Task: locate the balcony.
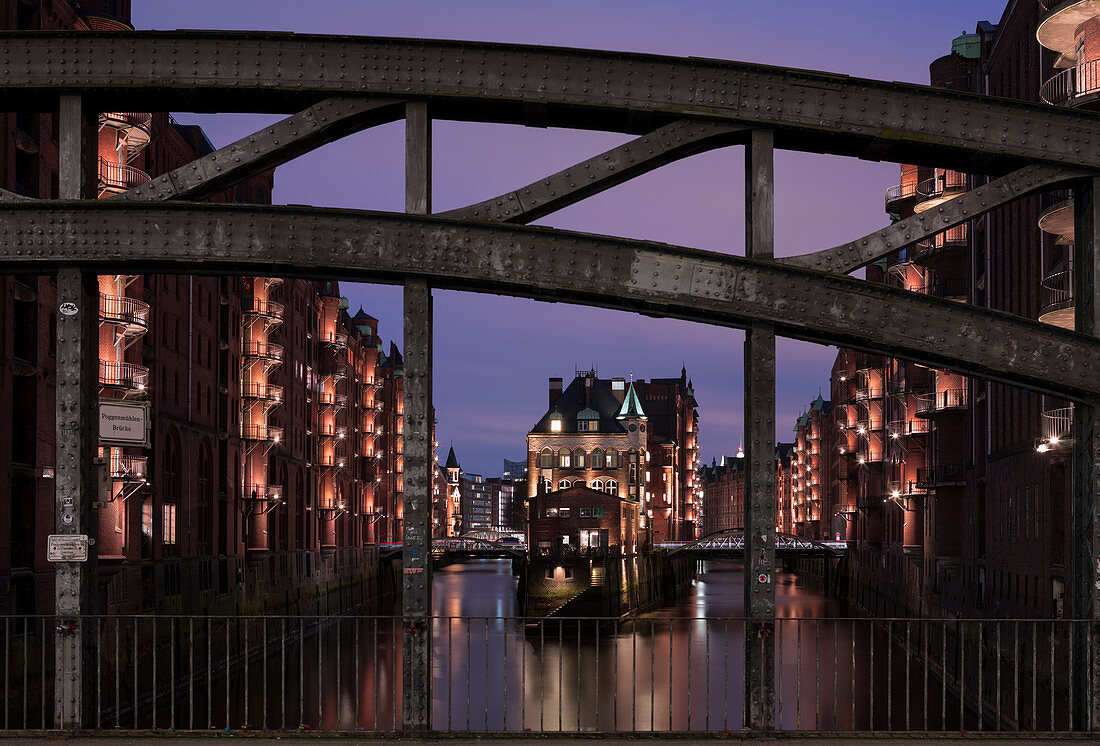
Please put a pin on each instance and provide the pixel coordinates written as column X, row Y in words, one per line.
column 332, row 431
column 332, row 401
column 1056, row 298
column 944, row 475
column 268, row 310
column 116, row 179
column 125, row 377
column 262, row 350
column 950, row 289
column 261, row 497
column 1057, row 426
column 1078, row 86
column 136, row 126
column 904, row 490
column 863, row 393
column 868, row 425
column 949, row 244
column 1057, row 216
column 905, row 428
column 898, row 194
column 867, row 455
column 130, row 314
column 943, row 186
column 262, row 391
column 330, row 462
column 128, row 468
column 337, row 339
column 948, row 400
column 337, row 372
column 261, row 433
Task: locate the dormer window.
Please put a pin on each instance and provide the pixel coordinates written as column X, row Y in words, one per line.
column 588, row 421
column 556, row 422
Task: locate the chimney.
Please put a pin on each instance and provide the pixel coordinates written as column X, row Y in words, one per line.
column 587, row 391
column 618, row 389
column 555, row 390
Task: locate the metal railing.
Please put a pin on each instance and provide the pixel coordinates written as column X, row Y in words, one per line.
column 267, row 308
column 942, row 400
column 128, row 376
column 266, row 391
column 529, row 677
column 261, row 432
column 1057, row 421
column 952, row 287
column 1081, row 80
column 1056, row 291
column 943, row 474
column 266, row 350
column 119, row 309
column 127, row 119
column 125, row 466
column 945, row 181
column 115, row 177
column 901, row 191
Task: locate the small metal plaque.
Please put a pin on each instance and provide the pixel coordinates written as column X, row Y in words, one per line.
column 124, row 423
column 67, row 548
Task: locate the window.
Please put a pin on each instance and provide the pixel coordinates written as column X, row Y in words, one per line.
column 612, row 459
column 597, row 512
column 611, row 487
column 563, row 458
column 597, row 484
column 563, row 484
column 586, row 512
column 551, row 512
column 546, row 459
column 169, row 523
column 563, row 512
column 578, row 458
column 597, row 458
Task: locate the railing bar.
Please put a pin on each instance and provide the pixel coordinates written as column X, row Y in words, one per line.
column 154, row 704
column 561, row 663
column 836, row 664
column 981, row 675
column 356, row 664
column 797, row 675
column 134, row 627
column 485, row 683
column 1034, row 668
column 908, row 655
column 595, row 678
column 580, row 699
column 943, row 678
column 26, row 668
column 871, row 672
column 817, row 674
column 960, row 636
column 1016, row 674
column 1069, row 671
column 396, row 647
column 542, row 675
column 42, row 649
column 469, row 670
column 321, row 678
column 504, row 701
column 615, row 679
column 339, row 709
column 247, row 665
column 282, row 678
column 671, row 624
column 7, row 676
column 209, row 673
column 852, row 636
column 634, row 677
column 98, row 674
column 652, row 674
column 889, row 674
column 726, row 676
column 374, row 673
column 998, row 650
column 1052, row 676
column 523, row 677
column 228, row 676
column 687, row 689
column 263, row 687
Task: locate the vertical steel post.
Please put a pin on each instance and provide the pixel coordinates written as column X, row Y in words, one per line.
column 759, row 521
column 417, row 540
column 76, row 414
column 1086, row 470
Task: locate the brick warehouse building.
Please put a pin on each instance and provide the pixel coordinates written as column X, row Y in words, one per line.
column 956, row 493
column 636, row 439
column 275, row 456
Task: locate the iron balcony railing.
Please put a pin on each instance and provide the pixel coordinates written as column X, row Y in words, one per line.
column 124, row 376
column 533, row 677
column 1057, row 420
column 119, row 309
column 262, row 492
column 264, row 350
column 332, row 431
column 127, row 467
column 941, row 183
column 337, row 339
column 115, row 177
column 952, row 288
column 1080, row 81
column 868, row 392
column 265, row 391
column 909, row 427
column 952, row 238
column 127, row 119
column 329, row 399
column 898, row 192
column 930, row 477
column 261, row 432
column 268, row 309
column 945, row 400
column 1056, row 291
column 336, row 372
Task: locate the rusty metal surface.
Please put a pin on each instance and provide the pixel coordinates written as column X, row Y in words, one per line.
column 657, row 279
column 828, row 113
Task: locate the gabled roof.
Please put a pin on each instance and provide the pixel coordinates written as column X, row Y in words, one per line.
column 572, row 401
column 632, row 405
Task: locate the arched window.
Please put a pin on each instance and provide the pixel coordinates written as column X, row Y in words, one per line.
column 597, row 484
column 578, row 458
column 563, row 484
column 597, row 458
column 611, row 487
column 546, row 459
column 563, row 458
column 612, row 459
column 578, row 483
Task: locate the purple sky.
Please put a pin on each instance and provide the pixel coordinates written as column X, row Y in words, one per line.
column 492, row 354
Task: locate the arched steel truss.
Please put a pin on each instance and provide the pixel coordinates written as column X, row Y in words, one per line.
column 334, row 86
column 730, row 543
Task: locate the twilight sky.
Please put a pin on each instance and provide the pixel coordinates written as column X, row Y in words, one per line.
column 493, row 354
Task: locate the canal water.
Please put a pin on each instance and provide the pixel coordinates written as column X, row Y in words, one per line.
column 678, row 668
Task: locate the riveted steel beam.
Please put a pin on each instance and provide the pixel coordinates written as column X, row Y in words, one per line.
column 272, row 146
column 922, row 225
column 759, row 518
column 599, row 173
column 542, row 263
column 6, row 196
column 814, row 111
column 1085, row 593
column 416, row 706
column 76, row 408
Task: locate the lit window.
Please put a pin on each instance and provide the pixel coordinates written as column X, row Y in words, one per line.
column 578, row 458
column 563, row 484
column 563, row 458
column 555, row 426
column 563, row 512
column 597, row 458
column 169, row 523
